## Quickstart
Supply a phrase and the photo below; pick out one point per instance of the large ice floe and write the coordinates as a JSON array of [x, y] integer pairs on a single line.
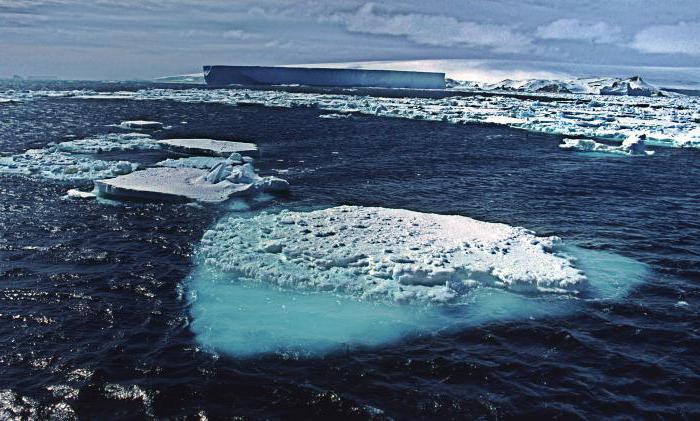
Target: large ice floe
[[172, 183], [317, 281], [632, 146]]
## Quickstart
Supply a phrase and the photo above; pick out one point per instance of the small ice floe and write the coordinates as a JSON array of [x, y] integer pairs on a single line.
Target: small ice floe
[[57, 165], [222, 182], [109, 143], [633, 145], [208, 146], [335, 116], [79, 194], [141, 124]]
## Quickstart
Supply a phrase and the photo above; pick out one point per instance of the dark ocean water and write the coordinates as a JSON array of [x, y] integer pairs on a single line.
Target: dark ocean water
[[92, 322]]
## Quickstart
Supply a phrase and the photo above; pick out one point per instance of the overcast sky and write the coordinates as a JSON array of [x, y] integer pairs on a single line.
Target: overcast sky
[[102, 39]]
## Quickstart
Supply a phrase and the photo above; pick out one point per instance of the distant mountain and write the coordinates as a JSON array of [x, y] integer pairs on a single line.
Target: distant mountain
[[633, 86]]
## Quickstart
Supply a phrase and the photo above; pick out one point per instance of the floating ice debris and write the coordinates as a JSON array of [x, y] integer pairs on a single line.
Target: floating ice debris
[[107, 95], [79, 194], [186, 184], [633, 145], [390, 254], [57, 165], [334, 116], [141, 124], [308, 283], [208, 146], [108, 143], [670, 121]]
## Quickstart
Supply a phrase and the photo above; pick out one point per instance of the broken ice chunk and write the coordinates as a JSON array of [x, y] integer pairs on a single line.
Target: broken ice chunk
[[208, 146], [141, 124]]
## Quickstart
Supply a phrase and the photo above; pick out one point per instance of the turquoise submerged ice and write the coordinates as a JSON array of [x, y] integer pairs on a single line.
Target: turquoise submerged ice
[[314, 282]]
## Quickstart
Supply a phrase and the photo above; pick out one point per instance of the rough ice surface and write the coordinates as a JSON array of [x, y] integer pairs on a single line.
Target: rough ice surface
[[109, 143], [168, 184], [201, 162], [190, 184], [633, 145], [56, 165], [208, 146], [139, 124], [387, 254], [670, 121], [308, 283]]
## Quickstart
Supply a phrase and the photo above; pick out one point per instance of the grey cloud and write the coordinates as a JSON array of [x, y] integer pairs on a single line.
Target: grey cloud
[[574, 29], [438, 30], [683, 38]]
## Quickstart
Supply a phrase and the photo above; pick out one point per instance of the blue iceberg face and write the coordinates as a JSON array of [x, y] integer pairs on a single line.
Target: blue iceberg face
[[253, 298]]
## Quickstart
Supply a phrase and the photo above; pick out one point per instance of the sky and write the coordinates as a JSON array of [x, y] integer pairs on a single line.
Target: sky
[[143, 39]]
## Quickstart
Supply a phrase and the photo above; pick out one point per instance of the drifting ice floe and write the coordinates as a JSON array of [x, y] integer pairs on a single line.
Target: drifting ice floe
[[184, 184], [139, 124], [634, 145], [312, 282], [208, 146], [57, 165], [108, 143], [335, 116], [389, 254], [79, 194]]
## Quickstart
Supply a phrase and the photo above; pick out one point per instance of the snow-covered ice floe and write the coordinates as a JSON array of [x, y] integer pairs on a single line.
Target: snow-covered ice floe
[[57, 165], [335, 116], [79, 194], [634, 145], [208, 146], [314, 282], [67, 161], [217, 185], [139, 124], [110, 142]]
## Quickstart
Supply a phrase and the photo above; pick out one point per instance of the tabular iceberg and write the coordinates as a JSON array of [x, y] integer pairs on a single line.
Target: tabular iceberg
[[261, 75]]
